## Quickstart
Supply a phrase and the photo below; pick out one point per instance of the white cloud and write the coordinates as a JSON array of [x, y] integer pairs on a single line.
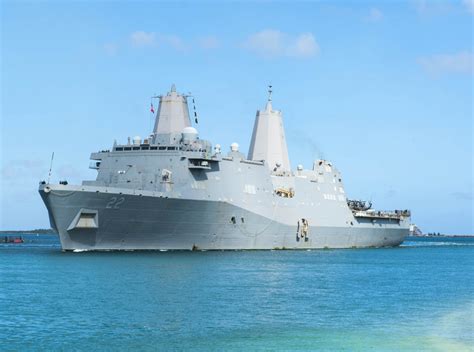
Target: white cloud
[[142, 39], [442, 7], [469, 4], [111, 49], [273, 43], [151, 39], [460, 62], [266, 43], [304, 46], [375, 15], [172, 40], [209, 42]]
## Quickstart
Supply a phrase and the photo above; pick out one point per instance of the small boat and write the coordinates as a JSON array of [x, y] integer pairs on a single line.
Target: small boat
[[15, 240]]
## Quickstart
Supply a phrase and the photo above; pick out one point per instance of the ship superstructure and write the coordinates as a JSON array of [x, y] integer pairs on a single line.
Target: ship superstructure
[[173, 191]]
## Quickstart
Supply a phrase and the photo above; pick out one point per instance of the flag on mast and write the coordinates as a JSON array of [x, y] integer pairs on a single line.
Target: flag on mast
[[151, 108]]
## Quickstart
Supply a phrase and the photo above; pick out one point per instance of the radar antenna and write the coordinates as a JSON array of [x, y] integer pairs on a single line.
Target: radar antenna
[[270, 92], [50, 167], [190, 95]]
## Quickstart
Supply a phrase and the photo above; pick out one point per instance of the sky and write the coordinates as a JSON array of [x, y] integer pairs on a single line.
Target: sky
[[384, 90]]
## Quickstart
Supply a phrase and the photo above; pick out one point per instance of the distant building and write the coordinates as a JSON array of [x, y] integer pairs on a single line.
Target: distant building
[[415, 230]]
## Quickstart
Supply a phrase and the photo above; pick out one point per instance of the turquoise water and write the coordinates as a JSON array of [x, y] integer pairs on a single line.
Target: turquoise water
[[419, 297]]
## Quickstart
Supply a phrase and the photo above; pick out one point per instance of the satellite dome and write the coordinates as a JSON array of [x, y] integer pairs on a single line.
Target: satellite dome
[[234, 147], [137, 140], [190, 134], [189, 129]]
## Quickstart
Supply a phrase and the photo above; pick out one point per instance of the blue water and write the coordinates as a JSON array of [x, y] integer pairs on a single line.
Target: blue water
[[419, 297]]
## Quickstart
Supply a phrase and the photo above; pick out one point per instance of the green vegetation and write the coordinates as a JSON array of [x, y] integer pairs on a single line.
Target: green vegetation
[[35, 231]]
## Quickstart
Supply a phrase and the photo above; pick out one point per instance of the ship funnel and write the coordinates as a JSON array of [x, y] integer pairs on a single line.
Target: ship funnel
[[172, 117], [268, 139]]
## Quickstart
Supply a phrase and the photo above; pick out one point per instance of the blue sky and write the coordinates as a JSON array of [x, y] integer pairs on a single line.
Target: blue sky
[[382, 89]]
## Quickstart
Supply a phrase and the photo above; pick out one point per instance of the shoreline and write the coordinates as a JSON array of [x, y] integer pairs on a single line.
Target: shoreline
[[28, 232], [440, 236]]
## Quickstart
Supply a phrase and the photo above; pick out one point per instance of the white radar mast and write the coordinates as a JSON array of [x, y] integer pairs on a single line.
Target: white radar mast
[[268, 138]]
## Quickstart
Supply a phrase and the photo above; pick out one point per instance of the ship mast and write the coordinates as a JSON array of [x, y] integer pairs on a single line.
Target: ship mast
[[172, 117], [268, 138]]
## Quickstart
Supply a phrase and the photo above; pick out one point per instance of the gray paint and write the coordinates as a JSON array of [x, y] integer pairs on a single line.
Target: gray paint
[[268, 139], [182, 195]]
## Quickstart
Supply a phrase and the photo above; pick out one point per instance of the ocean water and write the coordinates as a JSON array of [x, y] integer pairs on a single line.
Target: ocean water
[[418, 297]]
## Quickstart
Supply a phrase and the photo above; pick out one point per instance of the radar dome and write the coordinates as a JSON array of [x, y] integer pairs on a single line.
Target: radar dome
[[137, 140], [234, 147], [190, 134]]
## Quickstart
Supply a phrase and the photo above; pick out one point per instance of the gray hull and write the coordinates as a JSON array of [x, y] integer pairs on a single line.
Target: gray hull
[[128, 221], [173, 191]]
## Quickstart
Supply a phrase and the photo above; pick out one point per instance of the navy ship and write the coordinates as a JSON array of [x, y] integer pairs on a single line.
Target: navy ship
[[173, 190]]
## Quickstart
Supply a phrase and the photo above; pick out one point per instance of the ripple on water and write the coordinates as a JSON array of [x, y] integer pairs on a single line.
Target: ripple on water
[[417, 297]]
